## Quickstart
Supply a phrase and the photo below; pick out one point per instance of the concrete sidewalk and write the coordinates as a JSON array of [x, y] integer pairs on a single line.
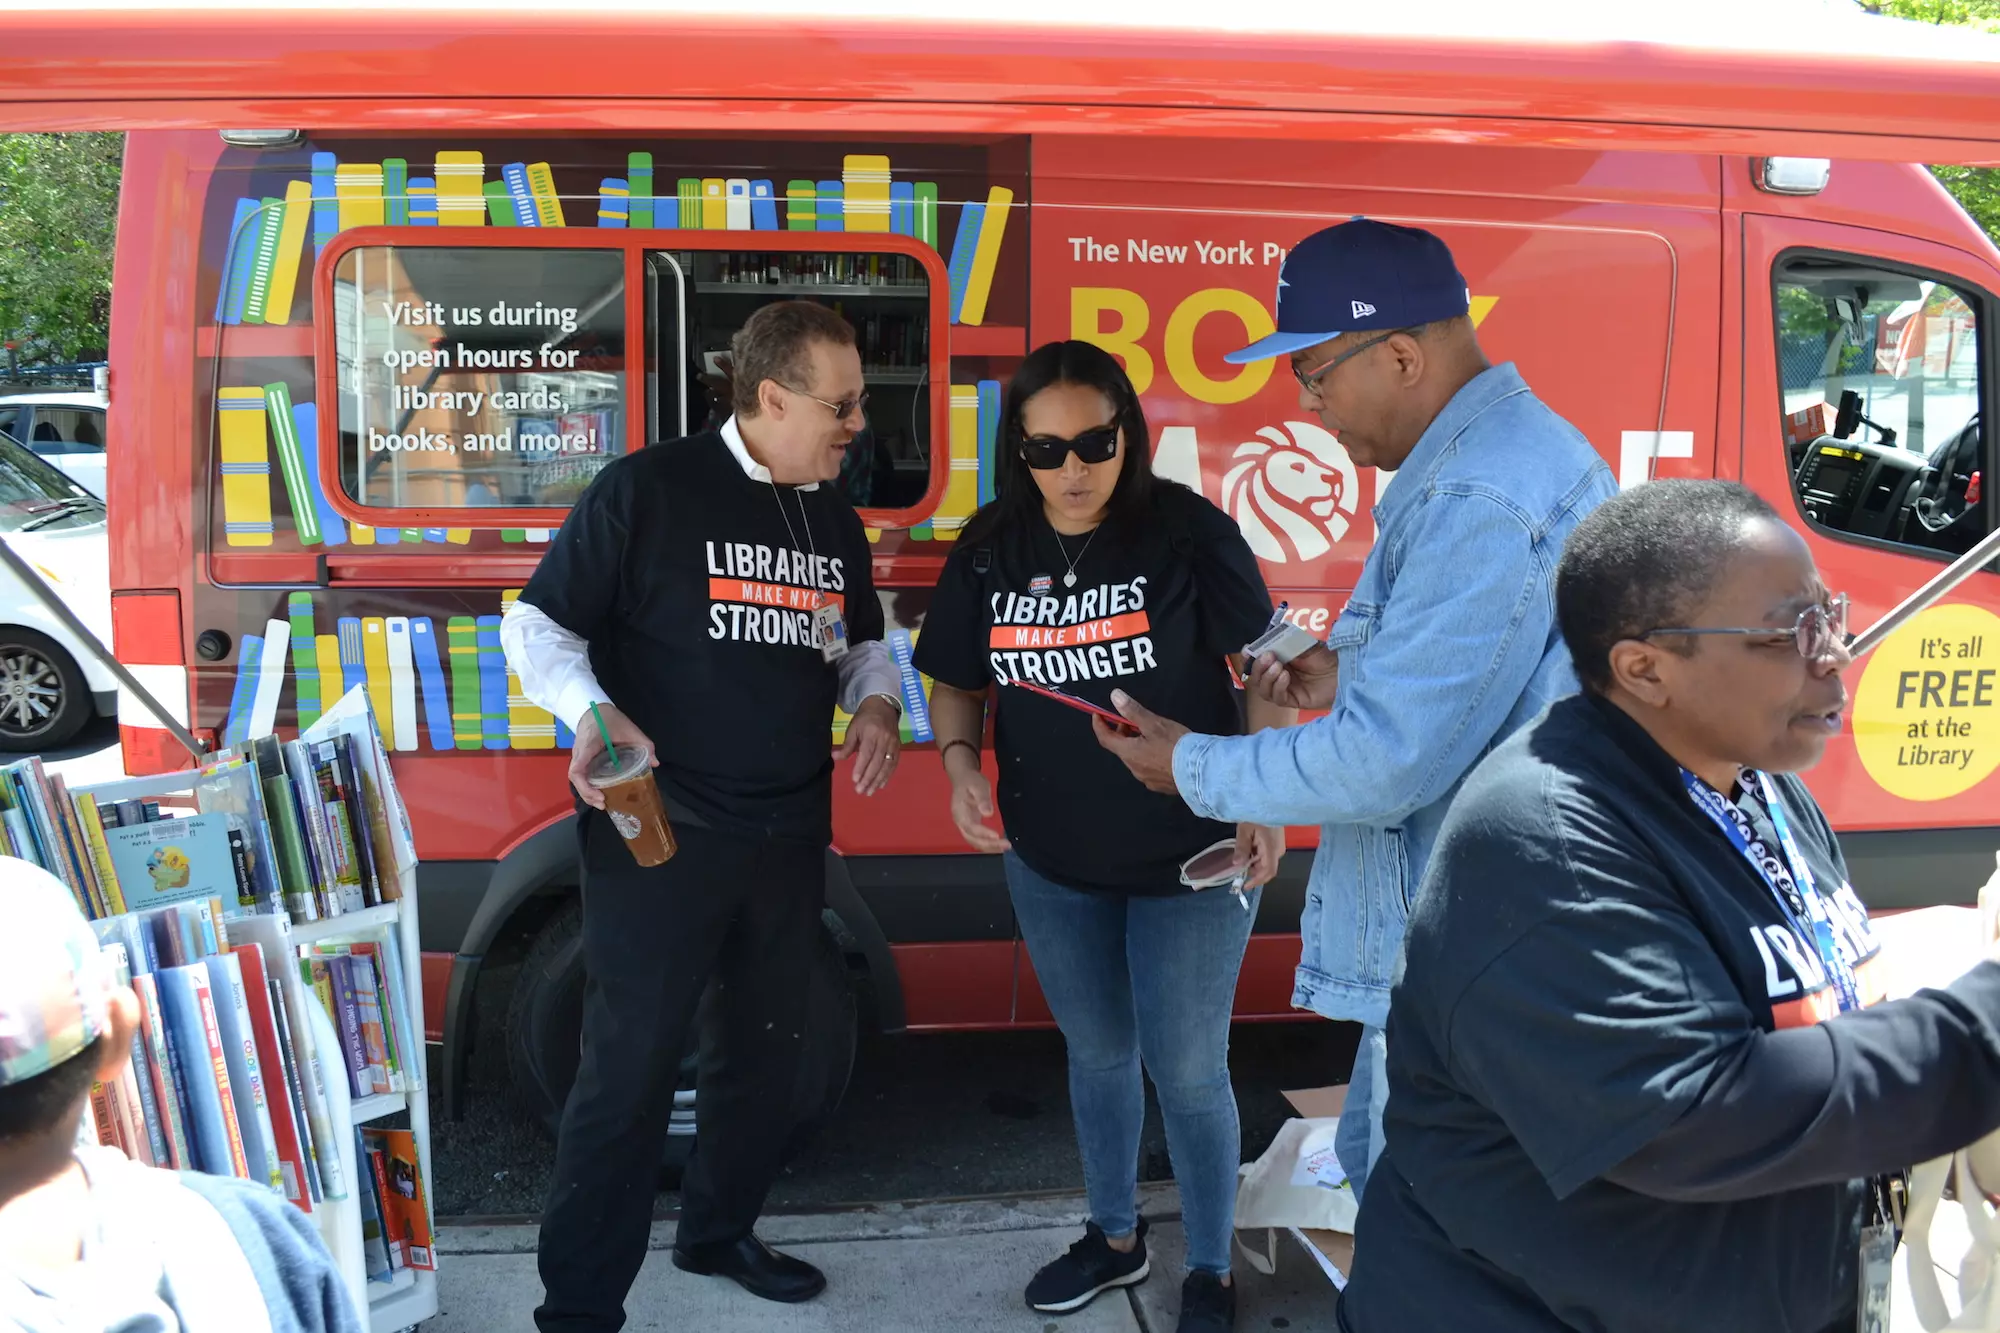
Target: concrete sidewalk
[[889, 1268]]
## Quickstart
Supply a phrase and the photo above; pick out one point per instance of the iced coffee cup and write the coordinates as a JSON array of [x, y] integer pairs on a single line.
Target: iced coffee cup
[[624, 774]]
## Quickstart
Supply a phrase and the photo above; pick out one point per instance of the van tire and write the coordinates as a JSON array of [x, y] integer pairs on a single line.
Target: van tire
[[34, 662], [545, 1028]]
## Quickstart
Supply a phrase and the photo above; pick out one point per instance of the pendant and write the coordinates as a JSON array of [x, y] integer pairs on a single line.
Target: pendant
[[1069, 579]]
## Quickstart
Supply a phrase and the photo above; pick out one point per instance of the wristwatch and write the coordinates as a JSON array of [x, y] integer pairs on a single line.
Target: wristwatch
[[895, 701]]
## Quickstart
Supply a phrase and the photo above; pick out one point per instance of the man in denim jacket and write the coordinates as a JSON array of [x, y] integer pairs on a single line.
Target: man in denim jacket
[[1448, 644]]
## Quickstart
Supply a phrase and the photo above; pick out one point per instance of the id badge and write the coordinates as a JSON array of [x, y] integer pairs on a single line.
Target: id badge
[[1878, 1259], [831, 631]]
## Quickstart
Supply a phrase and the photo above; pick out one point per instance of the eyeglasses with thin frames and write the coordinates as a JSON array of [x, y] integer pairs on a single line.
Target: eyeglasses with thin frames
[[840, 410], [1815, 633], [1309, 380]]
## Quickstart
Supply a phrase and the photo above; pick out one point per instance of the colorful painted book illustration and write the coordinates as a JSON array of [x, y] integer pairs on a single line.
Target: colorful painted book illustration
[[270, 677], [402, 732], [292, 229], [423, 202], [233, 292], [462, 647], [375, 666], [332, 676], [801, 206], [461, 180], [528, 727], [249, 659], [520, 194], [292, 462], [986, 257], [358, 185], [688, 192], [639, 180], [736, 204], [430, 675], [971, 218], [332, 527], [763, 207], [989, 431], [542, 189], [325, 201], [492, 685], [927, 213], [614, 203], [903, 208], [864, 180], [714, 204], [270, 222], [832, 206], [961, 488], [353, 670], [305, 657], [246, 467], [396, 191], [916, 709], [499, 204]]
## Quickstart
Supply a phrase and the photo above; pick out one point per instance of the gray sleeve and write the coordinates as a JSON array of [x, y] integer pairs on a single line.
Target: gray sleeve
[[302, 1287]]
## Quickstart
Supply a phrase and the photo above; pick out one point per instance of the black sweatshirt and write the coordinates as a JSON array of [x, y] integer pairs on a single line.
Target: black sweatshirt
[[693, 584], [1615, 1099]]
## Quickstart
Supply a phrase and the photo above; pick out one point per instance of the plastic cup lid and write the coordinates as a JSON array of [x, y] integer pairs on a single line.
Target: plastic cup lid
[[618, 764]]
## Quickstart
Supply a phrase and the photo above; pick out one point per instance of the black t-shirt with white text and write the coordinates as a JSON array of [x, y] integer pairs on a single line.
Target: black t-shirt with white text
[[695, 586], [1156, 609]]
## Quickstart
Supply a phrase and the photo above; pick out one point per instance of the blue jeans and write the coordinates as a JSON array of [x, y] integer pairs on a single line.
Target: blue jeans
[[1132, 977], [1358, 1139]]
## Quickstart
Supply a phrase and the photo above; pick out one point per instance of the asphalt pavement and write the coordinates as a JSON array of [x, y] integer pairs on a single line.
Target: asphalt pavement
[[927, 1117]]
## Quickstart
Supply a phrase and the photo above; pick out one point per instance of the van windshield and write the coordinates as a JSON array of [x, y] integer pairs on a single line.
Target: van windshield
[[35, 497]]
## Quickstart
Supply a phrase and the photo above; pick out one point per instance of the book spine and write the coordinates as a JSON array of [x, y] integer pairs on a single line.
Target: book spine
[[354, 794], [270, 221], [100, 853], [368, 1015], [295, 1089], [152, 1113], [639, 185], [168, 1081], [277, 1087], [78, 849], [182, 989], [218, 1062], [291, 246], [409, 1037], [292, 867], [246, 1074], [347, 1017], [104, 1118], [378, 1165], [374, 1242], [312, 1079]]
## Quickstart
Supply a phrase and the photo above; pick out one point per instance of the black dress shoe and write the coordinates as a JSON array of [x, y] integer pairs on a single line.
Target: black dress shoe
[[755, 1267]]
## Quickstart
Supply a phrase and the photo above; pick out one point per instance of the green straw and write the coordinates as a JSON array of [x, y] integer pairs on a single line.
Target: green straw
[[610, 746]]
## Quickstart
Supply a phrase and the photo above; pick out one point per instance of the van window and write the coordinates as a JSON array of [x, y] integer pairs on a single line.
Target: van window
[[478, 378], [1881, 376]]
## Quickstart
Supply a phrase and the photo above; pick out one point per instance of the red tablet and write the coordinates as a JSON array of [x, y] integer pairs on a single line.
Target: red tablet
[[1081, 705]]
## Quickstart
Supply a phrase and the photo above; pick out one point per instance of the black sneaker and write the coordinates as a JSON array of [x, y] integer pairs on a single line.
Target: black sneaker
[[1090, 1267], [1206, 1305]]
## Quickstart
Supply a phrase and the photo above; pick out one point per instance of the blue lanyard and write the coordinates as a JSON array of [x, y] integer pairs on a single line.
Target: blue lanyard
[[1796, 874]]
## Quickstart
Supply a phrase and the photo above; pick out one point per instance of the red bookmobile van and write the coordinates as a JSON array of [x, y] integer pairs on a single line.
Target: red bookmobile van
[[363, 357]]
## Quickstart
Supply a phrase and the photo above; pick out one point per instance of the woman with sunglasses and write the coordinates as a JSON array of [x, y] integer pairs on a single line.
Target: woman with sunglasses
[[1089, 574]]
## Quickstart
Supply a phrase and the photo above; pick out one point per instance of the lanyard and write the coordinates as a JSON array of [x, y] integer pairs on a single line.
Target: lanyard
[[1790, 880]]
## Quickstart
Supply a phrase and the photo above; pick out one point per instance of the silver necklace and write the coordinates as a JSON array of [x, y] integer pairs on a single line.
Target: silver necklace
[[1069, 579]]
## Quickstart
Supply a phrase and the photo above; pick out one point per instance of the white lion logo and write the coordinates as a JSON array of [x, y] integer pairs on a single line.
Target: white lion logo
[[1291, 492]]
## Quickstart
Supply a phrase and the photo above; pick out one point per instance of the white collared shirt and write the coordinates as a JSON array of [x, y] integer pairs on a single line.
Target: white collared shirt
[[554, 665]]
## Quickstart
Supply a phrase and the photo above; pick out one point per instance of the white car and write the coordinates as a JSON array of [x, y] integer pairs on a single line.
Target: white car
[[50, 684], [63, 429]]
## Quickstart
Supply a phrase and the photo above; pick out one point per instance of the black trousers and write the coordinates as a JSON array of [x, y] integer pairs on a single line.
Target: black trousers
[[744, 912]]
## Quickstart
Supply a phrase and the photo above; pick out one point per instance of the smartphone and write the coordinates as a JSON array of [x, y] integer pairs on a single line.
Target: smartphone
[[1118, 723]]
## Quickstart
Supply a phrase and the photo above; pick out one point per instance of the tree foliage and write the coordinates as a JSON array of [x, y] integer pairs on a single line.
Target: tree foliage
[[58, 219], [1977, 189]]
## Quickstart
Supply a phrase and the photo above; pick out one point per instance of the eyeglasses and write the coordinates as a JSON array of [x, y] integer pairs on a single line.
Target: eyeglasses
[[1309, 379], [1213, 865], [841, 410], [1046, 452], [1815, 633]]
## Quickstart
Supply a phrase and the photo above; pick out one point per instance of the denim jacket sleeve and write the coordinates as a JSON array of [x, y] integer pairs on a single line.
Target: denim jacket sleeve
[[1466, 622]]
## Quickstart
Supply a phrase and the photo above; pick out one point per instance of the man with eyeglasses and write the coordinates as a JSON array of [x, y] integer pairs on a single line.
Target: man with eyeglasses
[[1448, 643], [711, 599], [1643, 1075]]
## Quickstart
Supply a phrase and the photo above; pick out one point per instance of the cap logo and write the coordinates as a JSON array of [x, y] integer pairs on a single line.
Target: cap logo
[[1362, 309]]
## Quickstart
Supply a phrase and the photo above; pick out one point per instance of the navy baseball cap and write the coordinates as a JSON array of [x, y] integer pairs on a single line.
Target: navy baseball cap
[[1360, 275]]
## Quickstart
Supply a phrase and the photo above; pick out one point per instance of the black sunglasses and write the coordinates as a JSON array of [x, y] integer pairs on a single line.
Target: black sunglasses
[[1046, 452]]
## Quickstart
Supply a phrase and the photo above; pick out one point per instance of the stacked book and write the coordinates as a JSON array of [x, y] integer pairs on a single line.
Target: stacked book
[[395, 1212], [308, 828]]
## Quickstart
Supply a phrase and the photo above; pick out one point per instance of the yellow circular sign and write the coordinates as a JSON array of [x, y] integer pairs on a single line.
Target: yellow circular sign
[[1927, 713]]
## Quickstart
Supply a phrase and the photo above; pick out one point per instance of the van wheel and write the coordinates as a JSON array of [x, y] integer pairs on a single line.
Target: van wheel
[[44, 699], [545, 1032]]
